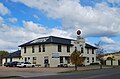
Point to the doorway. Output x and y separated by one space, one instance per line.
46 61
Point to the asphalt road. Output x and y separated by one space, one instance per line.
92 74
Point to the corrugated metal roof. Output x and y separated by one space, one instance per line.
48 40
53 40
15 54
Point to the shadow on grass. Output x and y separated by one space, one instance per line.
4 77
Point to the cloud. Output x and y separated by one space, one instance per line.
3 10
98 21
104 20
36 17
110 48
114 2
110 45
13 20
107 40
1 20
11 37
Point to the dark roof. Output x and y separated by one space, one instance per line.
15 54
48 40
53 40
90 46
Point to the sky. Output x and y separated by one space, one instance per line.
25 20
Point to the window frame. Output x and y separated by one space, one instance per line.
88 50
59 48
33 49
39 48
92 59
93 51
68 49
43 48
82 50
61 59
24 49
88 59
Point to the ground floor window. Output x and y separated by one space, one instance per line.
87 59
34 60
92 59
67 59
61 59
25 59
28 59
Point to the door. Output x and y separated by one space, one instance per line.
46 61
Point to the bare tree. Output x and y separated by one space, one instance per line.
100 52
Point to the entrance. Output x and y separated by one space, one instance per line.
46 61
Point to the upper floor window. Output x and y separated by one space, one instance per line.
68 48
59 48
24 49
92 51
43 47
39 48
33 49
82 51
87 50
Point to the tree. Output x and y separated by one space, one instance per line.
100 52
2 53
76 58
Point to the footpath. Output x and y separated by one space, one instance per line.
41 71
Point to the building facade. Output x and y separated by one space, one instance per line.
14 56
53 51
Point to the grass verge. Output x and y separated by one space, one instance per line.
2 77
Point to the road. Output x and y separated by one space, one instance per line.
92 74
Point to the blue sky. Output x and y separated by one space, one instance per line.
24 20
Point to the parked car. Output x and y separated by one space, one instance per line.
25 64
11 64
7 64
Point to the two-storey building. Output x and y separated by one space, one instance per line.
53 51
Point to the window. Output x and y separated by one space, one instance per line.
33 49
82 51
92 59
68 48
87 59
92 51
24 49
39 48
25 59
43 46
67 59
87 51
61 59
34 60
28 59
59 48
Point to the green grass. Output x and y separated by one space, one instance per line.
8 77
